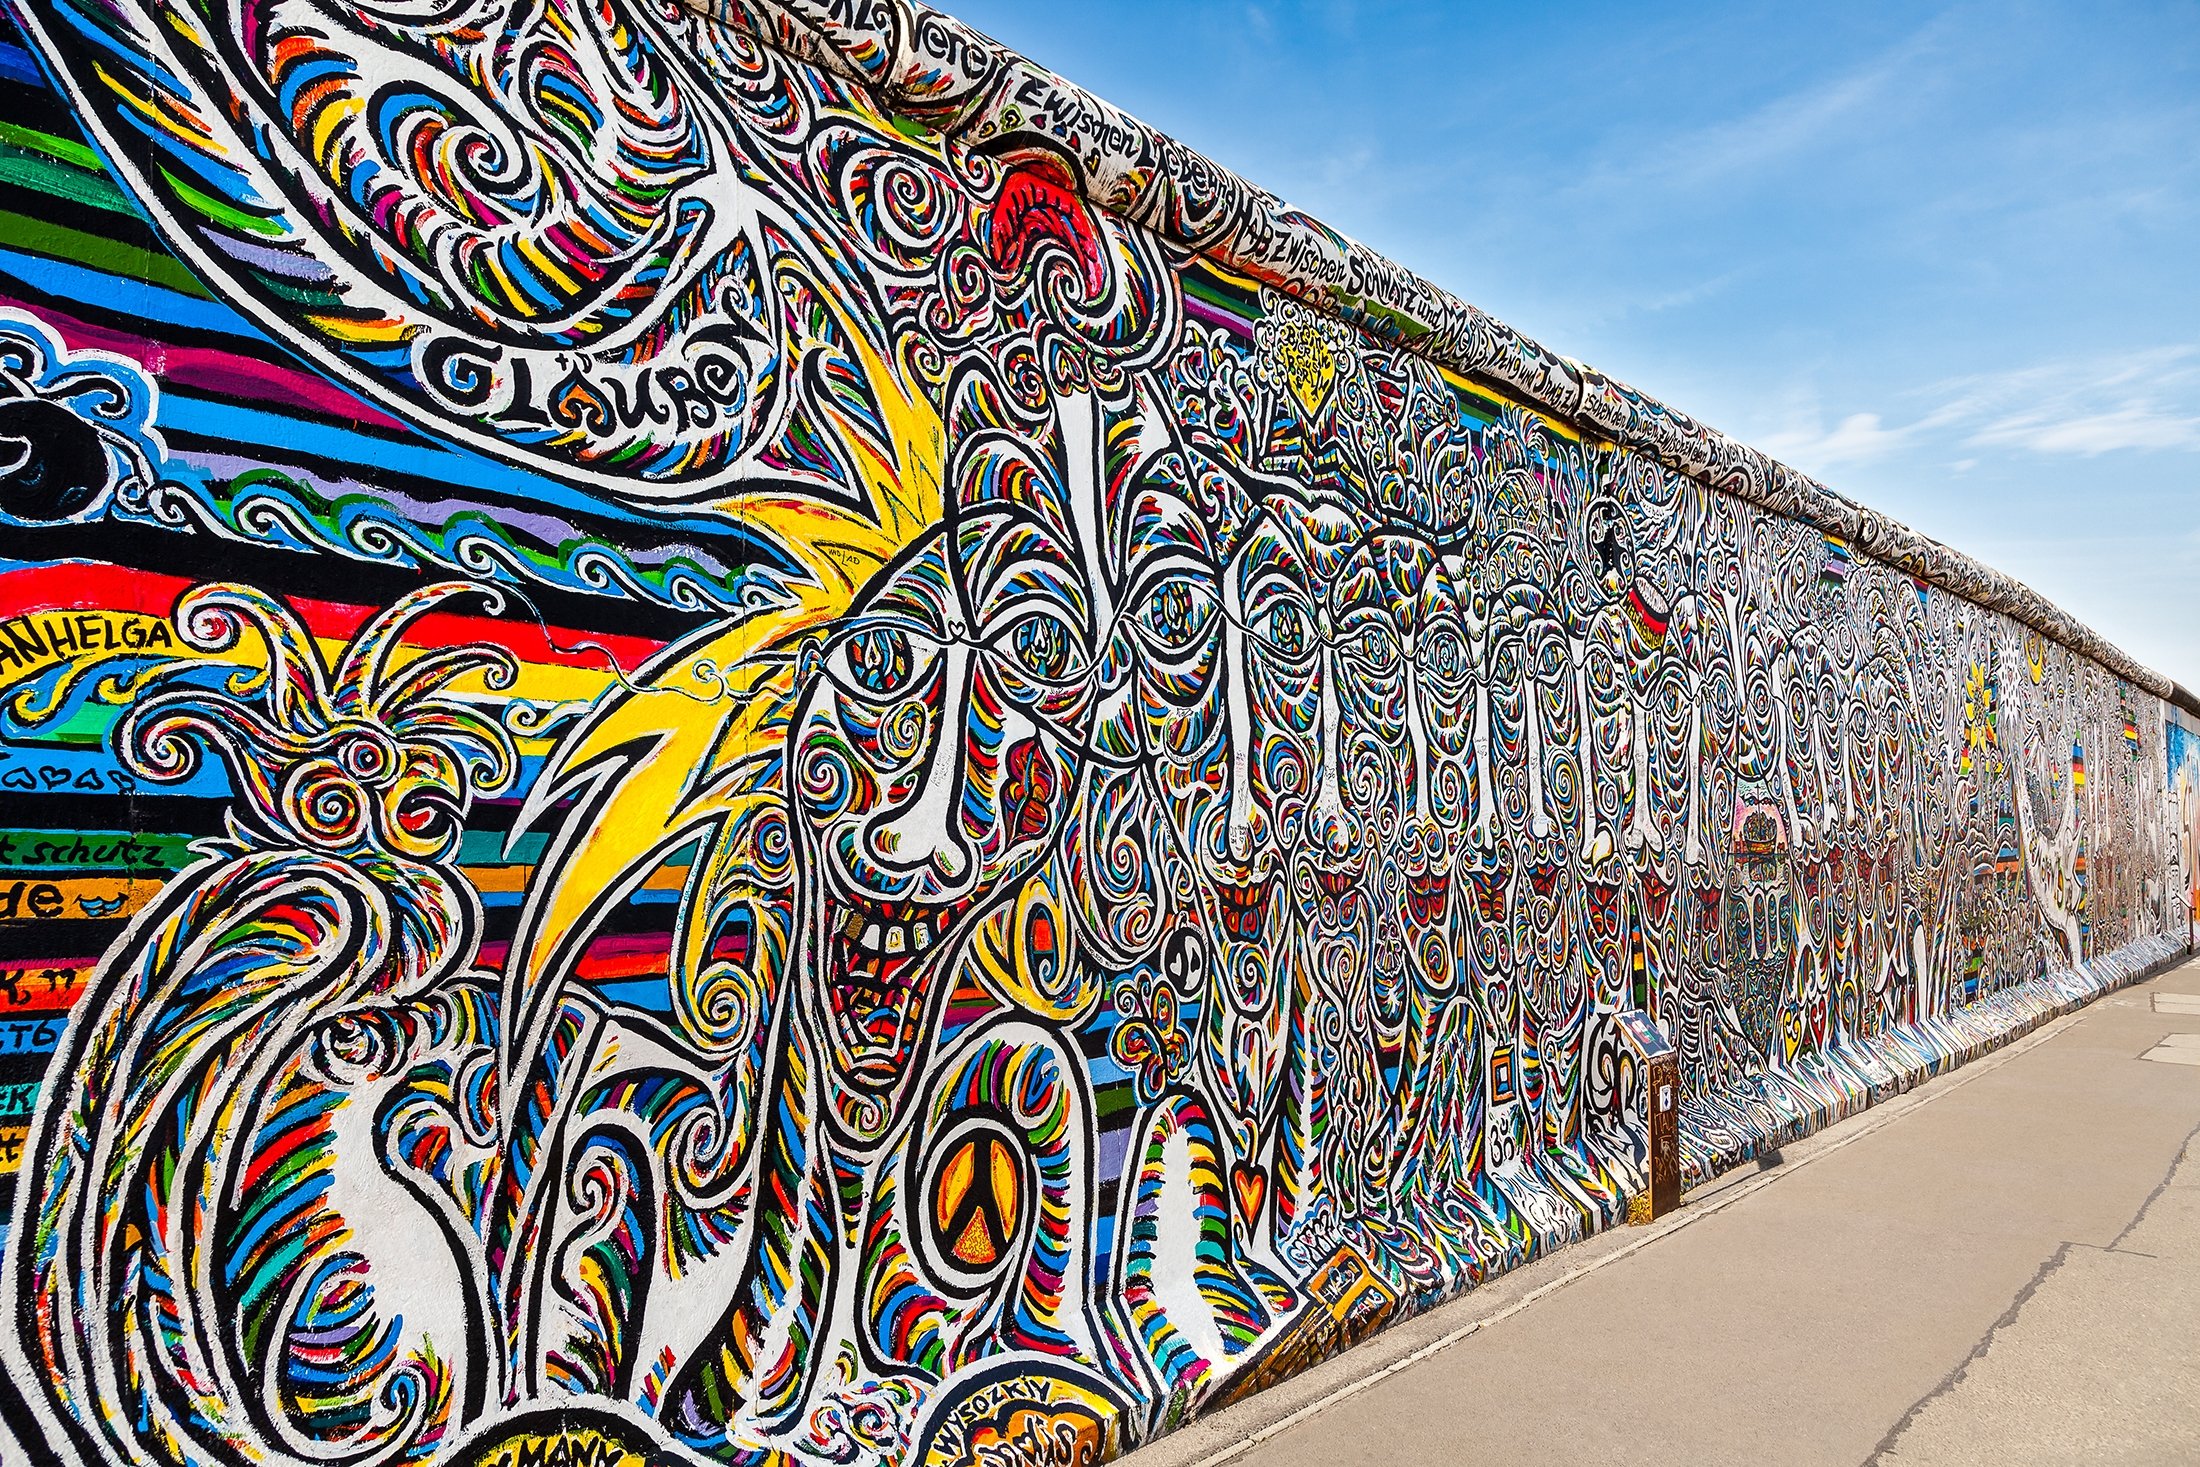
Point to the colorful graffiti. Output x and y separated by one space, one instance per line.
704 757
2181 744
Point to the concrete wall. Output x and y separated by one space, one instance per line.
744 749
2181 746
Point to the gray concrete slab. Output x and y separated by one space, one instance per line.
2098 1360
2001 1266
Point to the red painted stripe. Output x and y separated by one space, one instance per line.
648 955
42 985
525 639
268 1160
96 586
88 586
626 956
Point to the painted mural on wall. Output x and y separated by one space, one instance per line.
691 773
2181 746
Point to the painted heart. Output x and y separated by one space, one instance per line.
1251 1186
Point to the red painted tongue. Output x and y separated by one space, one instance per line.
869 993
868 1009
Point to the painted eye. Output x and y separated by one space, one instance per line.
1287 629
1443 656
1176 614
879 660
1375 649
1041 647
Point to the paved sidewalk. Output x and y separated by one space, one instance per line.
2001 1267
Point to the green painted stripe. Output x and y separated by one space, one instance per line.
1405 326
222 211
74 850
312 297
1483 407
84 729
36 237
1213 293
25 169
63 149
1114 1101
486 848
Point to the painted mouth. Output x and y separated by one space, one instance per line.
880 957
1427 895
1244 906
1335 881
1037 204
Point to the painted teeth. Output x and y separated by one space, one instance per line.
889 937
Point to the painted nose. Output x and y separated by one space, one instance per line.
926 832
1244 832
1336 830
1244 826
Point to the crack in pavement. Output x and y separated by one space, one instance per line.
2183 1153
2046 1270
1955 1377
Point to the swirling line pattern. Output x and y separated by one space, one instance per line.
1014 834
934 69
78 431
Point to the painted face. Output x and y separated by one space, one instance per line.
1373 617
1284 789
933 760
1404 681
1163 709
1271 669
1438 672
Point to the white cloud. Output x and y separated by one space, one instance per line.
2131 427
1816 116
2149 399
1857 438
1688 295
1344 165
2076 407
1779 128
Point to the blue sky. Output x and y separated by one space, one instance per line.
1947 259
